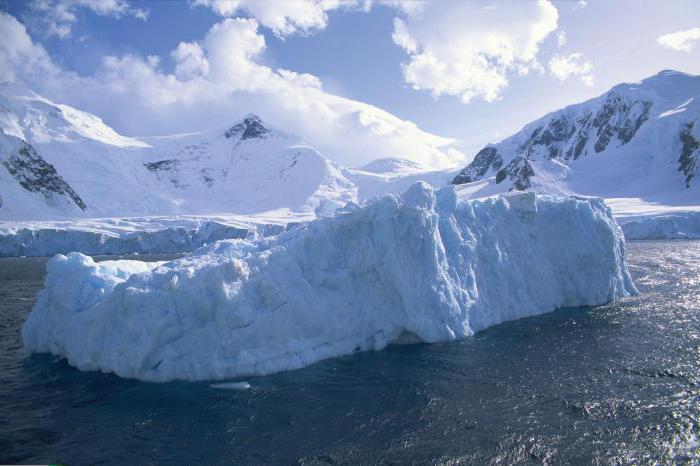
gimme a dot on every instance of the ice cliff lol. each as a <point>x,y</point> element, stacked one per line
<point>424,265</point>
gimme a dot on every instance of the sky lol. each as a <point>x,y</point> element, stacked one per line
<point>431,81</point>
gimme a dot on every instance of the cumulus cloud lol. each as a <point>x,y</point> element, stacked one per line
<point>683,41</point>
<point>561,39</point>
<point>190,61</point>
<point>19,56</point>
<point>284,17</point>
<point>59,15</point>
<point>468,49</point>
<point>564,66</point>
<point>214,82</point>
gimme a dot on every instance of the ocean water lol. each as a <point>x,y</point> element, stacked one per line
<point>608,385</point>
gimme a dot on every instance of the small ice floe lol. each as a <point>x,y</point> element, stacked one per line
<point>231,386</point>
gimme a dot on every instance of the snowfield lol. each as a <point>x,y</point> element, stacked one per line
<point>422,266</point>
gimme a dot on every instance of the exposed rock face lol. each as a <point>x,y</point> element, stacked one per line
<point>487,159</point>
<point>619,118</point>
<point>251,127</point>
<point>565,135</point>
<point>168,169</point>
<point>35,174</point>
<point>690,152</point>
<point>161,165</point>
<point>519,171</point>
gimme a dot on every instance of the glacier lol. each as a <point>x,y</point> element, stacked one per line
<point>675,225</point>
<point>134,235</point>
<point>423,266</point>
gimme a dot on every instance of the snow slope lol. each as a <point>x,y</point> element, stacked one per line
<point>638,140</point>
<point>68,182</point>
<point>62,163</point>
<point>386,176</point>
<point>422,266</point>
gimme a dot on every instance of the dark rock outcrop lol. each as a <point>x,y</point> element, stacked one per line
<point>519,171</point>
<point>161,165</point>
<point>251,127</point>
<point>35,174</point>
<point>564,136</point>
<point>486,159</point>
<point>690,152</point>
<point>168,168</point>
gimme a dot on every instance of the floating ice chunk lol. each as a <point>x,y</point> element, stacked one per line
<point>231,386</point>
<point>422,264</point>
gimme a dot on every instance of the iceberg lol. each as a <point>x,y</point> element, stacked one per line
<point>674,225</point>
<point>423,266</point>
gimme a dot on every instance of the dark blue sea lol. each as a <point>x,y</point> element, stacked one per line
<point>617,384</point>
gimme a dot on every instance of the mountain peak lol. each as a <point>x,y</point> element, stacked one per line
<point>635,127</point>
<point>672,85</point>
<point>250,127</point>
<point>26,114</point>
<point>670,73</point>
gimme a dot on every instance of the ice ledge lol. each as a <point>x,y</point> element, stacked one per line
<point>423,264</point>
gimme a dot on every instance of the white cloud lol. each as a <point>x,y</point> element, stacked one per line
<point>190,61</point>
<point>561,39</point>
<point>410,8</point>
<point>683,41</point>
<point>468,49</point>
<point>58,16</point>
<point>284,17</point>
<point>19,56</point>
<point>564,66</point>
<point>214,82</point>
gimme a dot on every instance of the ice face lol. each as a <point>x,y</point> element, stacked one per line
<point>423,264</point>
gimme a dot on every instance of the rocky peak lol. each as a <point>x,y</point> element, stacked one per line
<point>250,127</point>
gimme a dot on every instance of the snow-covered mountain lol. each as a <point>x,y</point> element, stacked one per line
<point>637,146</point>
<point>637,140</point>
<point>60,162</point>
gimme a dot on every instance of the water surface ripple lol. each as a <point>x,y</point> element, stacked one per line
<point>614,384</point>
